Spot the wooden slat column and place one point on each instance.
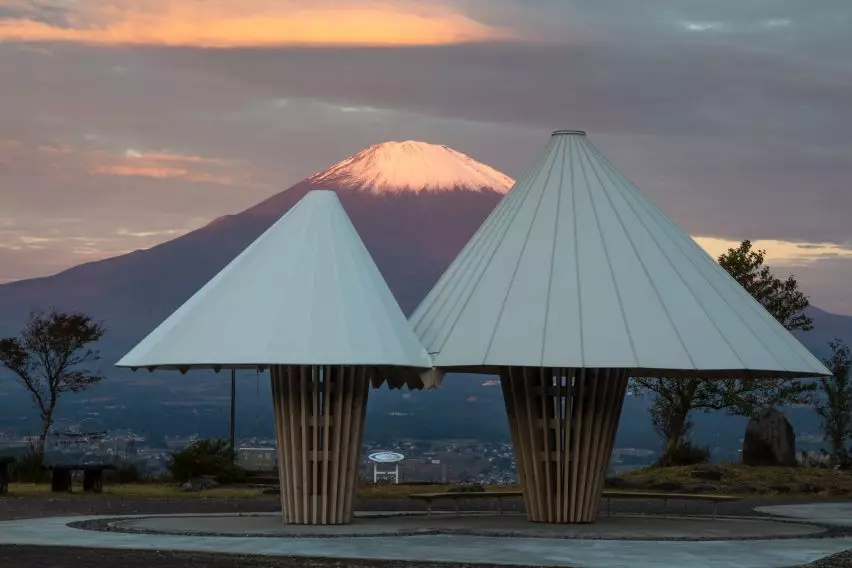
(319, 418)
(563, 424)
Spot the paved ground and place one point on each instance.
(827, 513)
(447, 548)
(612, 528)
(40, 542)
(56, 557)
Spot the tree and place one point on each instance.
(670, 411)
(835, 408)
(781, 298)
(50, 357)
(676, 398)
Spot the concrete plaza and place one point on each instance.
(777, 545)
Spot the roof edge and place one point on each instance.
(716, 374)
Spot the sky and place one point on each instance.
(127, 123)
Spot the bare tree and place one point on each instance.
(50, 357)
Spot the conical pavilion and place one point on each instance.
(307, 301)
(574, 283)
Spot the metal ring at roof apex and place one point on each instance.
(569, 132)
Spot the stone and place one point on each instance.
(199, 484)
(769, 440)
(707, 474)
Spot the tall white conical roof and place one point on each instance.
(577, 268)
(306, 292)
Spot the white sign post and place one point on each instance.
(386, 457)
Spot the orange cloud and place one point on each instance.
(161, 165)
(141, 171)
(231, 23)
(783, 253)
(164, 157)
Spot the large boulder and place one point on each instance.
(769, 440)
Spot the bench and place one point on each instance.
(5, 461)
(93, 477)
(609, 495)
(456, 495)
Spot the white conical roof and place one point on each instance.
(577, 268)
(306, 292)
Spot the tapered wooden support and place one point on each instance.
(319, 425)
(563, 424)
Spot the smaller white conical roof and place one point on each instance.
(306, 292)
(576, 267)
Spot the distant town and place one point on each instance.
(470, 461)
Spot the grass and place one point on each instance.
(140, 491)
(735, 479)
(740, 479)
(155, 490)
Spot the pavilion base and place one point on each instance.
(319, 425)
(563, 424)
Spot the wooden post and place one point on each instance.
(563, 424)
(60, 480)
(93, 480)
(319, 417)
(4, 476)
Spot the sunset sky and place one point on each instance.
(124, 123)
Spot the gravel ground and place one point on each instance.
(839, 560)
(56, 557)
(50, 557)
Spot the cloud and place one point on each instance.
(161, 165)
(703, 26)
(142, 171)
(149, 234)
(781, 253)
(229, 23)
(167, 157)
(777, 22)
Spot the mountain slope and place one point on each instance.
(412, 235)
(412, 227)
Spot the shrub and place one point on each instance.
(231, 474)
(685, 454)
(28, 468)
(203, 458)
(126, 472)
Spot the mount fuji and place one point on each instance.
(414, 205)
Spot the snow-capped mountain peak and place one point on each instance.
(410, 166)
